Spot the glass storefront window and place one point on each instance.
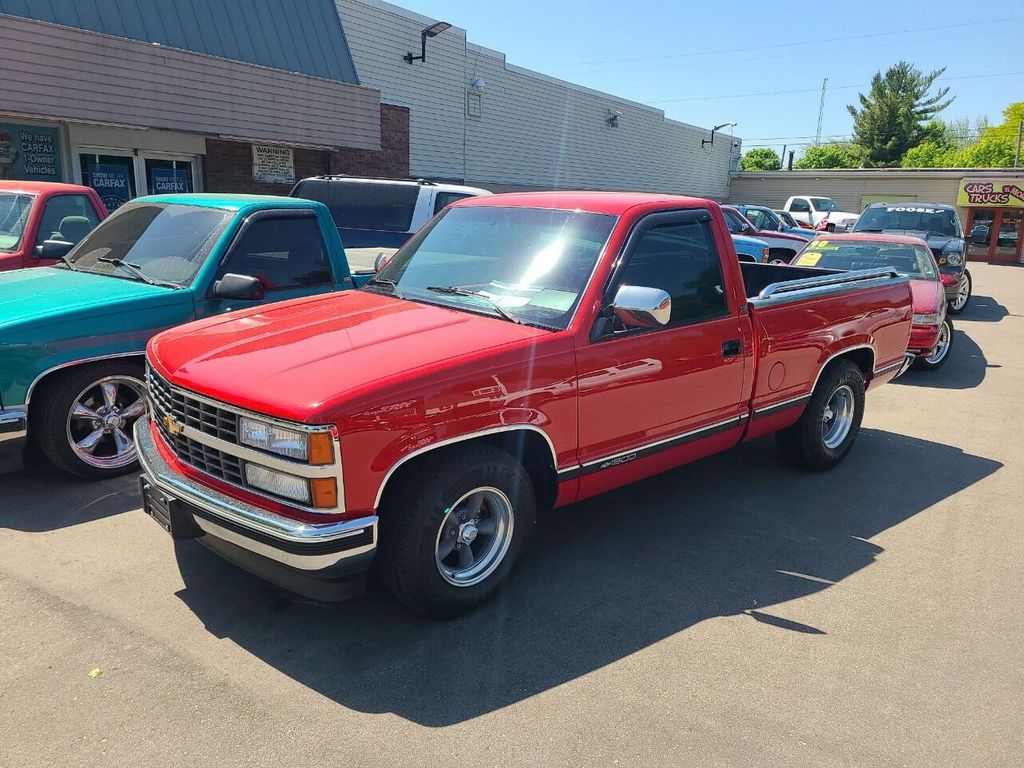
(168, 176)
(112, 176)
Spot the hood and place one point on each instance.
(928, 296)
(936, 242)
(753, 242)
(294, 359)
(51, 293)
(784, 236)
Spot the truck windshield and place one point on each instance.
(823, 204)
(527, 264)
(166, 242)
(908, 260)
(14, 212)
(934, 221)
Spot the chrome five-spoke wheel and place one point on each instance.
(99, 424)
(474, 537)
(838, 417)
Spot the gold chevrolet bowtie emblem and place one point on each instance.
(173, 426)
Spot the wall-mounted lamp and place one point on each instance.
(612, 118)
(478, 84)
(432, 31)
(711, 142)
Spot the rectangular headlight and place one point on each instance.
(270, 437)
(277, 483)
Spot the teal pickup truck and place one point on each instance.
(73, 336)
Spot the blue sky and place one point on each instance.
(702, 61)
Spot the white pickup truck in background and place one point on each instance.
(821, 213)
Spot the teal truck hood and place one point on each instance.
(53, 294)
(50, 317)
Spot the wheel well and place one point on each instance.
(863, 358)
(49, 378)
(526, 445)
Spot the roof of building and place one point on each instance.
(302, 36)
(615, 203)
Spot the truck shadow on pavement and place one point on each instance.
(964, 369)
(44, 499)
(983, 309)
(604, 579)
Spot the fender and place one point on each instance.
(141, 354)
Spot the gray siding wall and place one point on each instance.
(71, 74)
(533, 131)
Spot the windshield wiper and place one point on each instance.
(136, 270)
(67, 263)
(387, 283)
(455, 290)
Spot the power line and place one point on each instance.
(929, 41)
(817, 90)
(802, 43)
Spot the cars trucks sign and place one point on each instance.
(273, 165)
(29, 153)
(992, 192)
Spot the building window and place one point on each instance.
(474, 104)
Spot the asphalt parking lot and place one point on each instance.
(733, 612)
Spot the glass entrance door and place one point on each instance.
(1008, 234)
(167, 176)
(111, 175)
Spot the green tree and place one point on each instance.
(834, 155)
(760, 159)
(930, 154)
(891, 117)
(994, 146)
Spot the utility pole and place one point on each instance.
(821, 111)
(1020, 133)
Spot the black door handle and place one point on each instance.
(732, 348)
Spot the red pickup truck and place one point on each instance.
(40, 221)
(520, 352)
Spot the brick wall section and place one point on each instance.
(227, 166)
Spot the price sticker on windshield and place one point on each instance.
(822, 245)
(808, 259)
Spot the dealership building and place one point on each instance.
(139, 97)
(990, 201)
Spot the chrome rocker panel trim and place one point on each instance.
(14, 423)
(304, 546)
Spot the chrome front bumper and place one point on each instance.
(325, 550)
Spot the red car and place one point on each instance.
(931, 337)
(521, 351)
(40, 221)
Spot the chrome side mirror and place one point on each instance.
(636, 306)
(381, 261)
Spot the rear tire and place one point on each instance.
(476, 498)
(84, 421)
(830, 423)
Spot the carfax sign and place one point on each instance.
(111, 184)
(992, 192)
(29, 153)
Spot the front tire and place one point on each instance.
(938, 357)
(453, 527)
(963, 295)
(830, 423)
(84, 424)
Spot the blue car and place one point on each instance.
(763, 217)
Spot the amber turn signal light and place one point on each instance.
(321, 448)
(324, 491)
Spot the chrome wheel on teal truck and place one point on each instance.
(73, 336)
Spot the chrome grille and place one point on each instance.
(165, 400)
(198, 414)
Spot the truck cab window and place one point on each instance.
(733, 222)
(444, 199)
(68, 218)
(282, 253)
(681, 259)
(799, 206)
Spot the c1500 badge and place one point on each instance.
(618, 460)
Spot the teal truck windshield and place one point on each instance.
(14, 211)
(934, 221)
(166, 243)
(906, 259)
(527, 265)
